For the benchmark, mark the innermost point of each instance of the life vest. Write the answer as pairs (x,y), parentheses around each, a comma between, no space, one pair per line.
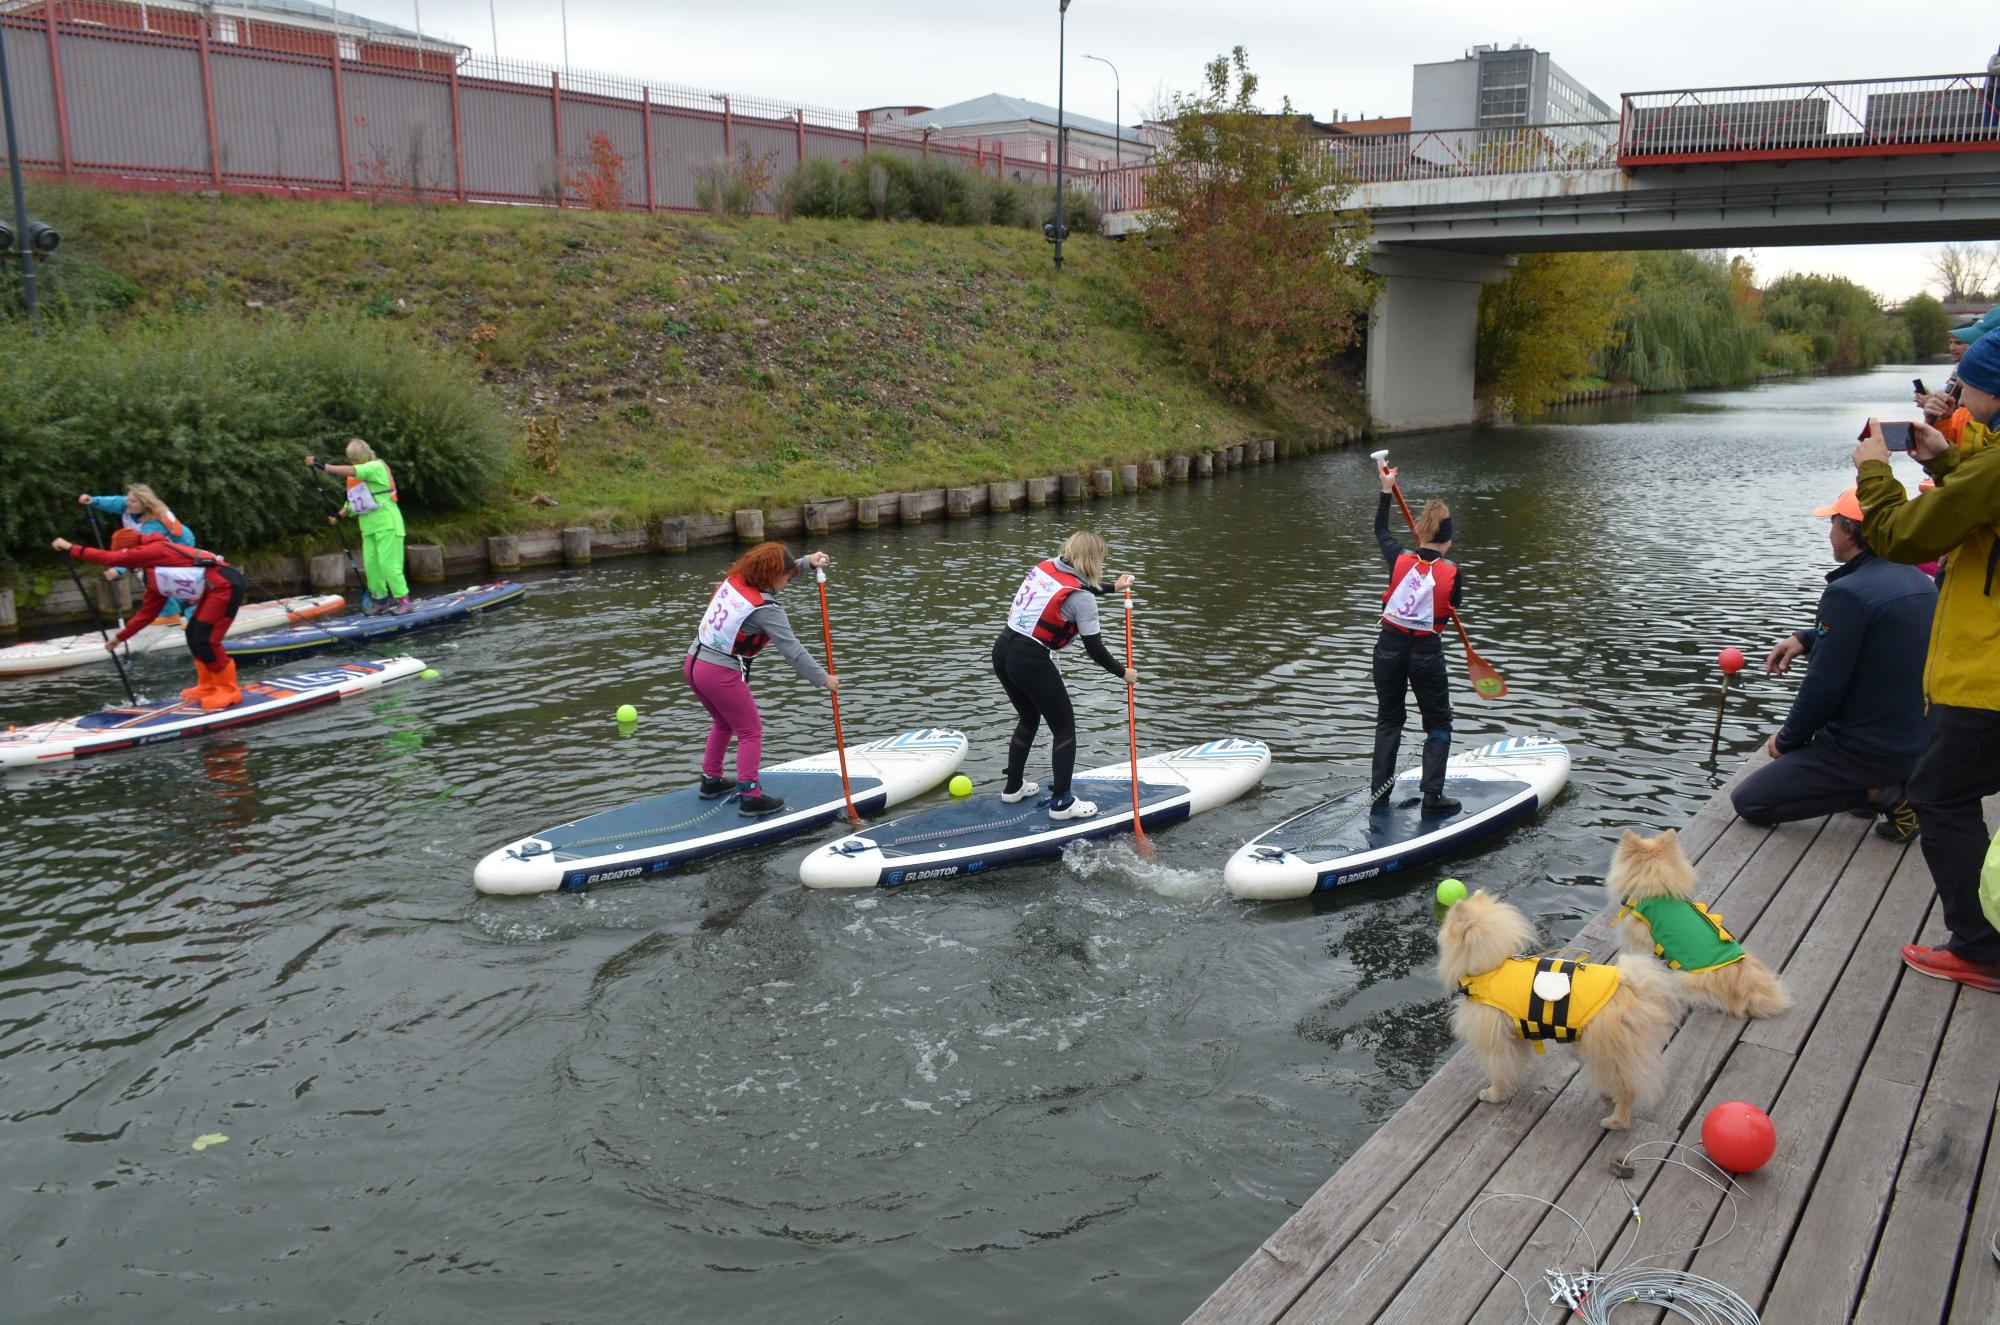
(186,582)
(1549,998)
(166,522)
(1685,934)
(722,625)
(1037,610)
(362,499)
(1416,589)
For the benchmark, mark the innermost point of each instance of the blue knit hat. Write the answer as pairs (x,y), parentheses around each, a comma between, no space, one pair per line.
(1981,365)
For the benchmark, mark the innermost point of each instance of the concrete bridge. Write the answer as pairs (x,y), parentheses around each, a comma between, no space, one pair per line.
(1888,161)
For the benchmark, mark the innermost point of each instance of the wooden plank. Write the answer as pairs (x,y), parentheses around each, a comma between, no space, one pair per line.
(1826,1263)
(1976,1296)
(1699,1051)
(1810,1103)
(1927,1235)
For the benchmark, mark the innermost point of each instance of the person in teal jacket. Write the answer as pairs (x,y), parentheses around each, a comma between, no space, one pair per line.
(372,501)
(144,513)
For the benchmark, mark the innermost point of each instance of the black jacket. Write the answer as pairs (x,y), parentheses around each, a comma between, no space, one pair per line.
(1865,686)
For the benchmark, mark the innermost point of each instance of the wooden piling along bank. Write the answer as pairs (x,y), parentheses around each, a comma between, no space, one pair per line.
(1881,1204)
(579,545)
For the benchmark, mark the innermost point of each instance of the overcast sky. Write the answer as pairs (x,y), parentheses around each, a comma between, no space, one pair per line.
(1323,54)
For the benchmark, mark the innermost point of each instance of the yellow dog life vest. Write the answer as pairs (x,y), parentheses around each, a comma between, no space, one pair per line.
(1549,998)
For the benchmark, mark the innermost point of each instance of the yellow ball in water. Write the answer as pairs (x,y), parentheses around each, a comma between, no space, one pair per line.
(1450,891)
(626,713)
(961,785)
(428,674)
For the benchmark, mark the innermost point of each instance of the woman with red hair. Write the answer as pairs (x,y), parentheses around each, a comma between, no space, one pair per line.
(743,619)
(211,588)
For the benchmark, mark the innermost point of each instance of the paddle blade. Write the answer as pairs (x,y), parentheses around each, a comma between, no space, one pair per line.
(1486,681)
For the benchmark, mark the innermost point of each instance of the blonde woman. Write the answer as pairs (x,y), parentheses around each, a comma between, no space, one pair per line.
(372,500)
(1424,590)
(143,513)
(1057,603)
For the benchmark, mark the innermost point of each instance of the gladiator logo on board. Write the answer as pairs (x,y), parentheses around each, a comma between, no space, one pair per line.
(918,876)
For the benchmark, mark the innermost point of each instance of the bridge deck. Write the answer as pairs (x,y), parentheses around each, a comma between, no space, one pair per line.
(1881,1204)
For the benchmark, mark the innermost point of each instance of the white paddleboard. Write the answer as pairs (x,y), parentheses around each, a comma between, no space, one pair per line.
(677,827)
(73,651)
(982,833)
(1344,840)
(128,727)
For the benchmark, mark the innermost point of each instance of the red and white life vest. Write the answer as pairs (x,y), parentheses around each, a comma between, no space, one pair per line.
(188,582)
(1037,610)
(722,625)
(1417,588)
(137,525)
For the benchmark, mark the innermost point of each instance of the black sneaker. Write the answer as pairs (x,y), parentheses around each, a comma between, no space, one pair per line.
(713,787)
(1899,822)
(757,803)
(1440,807)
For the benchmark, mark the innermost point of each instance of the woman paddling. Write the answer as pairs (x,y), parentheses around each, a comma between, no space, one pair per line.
(142,511)
(212,586)
(1057,602)
(1423,589)
(741,621)
(373,501)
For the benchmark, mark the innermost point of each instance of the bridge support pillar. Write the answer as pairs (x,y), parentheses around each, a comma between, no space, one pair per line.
(1422,333)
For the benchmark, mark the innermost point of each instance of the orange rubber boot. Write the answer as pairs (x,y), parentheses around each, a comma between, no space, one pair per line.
(204,681)
(224,692)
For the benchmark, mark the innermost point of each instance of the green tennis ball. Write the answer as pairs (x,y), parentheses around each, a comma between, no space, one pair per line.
(429,674)
(961,785)
(626,713)
(1450,891)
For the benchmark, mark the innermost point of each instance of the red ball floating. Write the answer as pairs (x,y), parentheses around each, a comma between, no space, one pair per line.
(1739,1137)
(1731,660)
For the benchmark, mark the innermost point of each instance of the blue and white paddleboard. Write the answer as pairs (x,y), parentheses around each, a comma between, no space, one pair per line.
(676,828)
(351,631)
(1345,841)
(129,726)
(982,833)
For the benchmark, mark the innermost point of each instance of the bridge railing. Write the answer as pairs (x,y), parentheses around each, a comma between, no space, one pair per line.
(1794,121)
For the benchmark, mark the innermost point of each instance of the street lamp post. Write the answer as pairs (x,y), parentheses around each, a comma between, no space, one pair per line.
(1057,231)
(1117,113)
(20,197)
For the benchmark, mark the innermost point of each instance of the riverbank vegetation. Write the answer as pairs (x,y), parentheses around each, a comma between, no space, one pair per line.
(1676,321)
(636,366)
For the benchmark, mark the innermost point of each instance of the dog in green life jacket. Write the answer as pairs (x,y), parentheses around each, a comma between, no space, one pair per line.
(1653,884)
(1506,1006)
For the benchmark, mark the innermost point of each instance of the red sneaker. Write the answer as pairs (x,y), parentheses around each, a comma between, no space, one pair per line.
(1942,964)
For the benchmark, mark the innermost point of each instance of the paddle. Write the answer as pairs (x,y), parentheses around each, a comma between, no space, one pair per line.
(69,564)
(333,507)
(839,741)
(97,537)
(1486,679)
(1139,842)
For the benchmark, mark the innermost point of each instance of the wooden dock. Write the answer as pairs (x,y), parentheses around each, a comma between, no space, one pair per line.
(1881,1204)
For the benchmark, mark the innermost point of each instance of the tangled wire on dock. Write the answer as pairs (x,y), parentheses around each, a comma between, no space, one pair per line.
(1591,1295)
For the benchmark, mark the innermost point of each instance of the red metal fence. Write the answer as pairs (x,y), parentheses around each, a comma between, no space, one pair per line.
(148,109)
(1793,121)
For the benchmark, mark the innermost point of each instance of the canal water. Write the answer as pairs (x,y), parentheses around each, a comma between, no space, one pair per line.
(1081,1090)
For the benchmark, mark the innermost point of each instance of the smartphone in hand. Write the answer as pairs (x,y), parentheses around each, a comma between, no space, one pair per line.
(1895,436)
(1921,389)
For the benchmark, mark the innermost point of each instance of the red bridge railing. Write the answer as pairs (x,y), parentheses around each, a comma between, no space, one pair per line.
(1795,121)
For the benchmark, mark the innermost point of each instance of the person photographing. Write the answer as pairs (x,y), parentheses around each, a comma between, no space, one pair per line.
(1961,765)
(1424,590)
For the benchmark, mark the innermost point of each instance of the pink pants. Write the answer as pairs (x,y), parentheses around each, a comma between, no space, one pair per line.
(726,696)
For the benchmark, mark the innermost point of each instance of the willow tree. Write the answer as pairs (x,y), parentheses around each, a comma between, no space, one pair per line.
(1250,262)
(1545,326)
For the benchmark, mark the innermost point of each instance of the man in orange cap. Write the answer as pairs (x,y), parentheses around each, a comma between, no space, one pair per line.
(1857,726)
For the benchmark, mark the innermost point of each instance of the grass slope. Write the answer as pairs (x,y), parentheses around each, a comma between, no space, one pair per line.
(667,365)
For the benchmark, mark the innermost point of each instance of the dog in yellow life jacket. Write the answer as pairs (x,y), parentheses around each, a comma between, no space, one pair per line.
(1653,883)
(1618,1016)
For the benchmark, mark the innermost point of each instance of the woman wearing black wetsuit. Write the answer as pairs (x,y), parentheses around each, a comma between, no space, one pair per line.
(1057,603)
(1424,589)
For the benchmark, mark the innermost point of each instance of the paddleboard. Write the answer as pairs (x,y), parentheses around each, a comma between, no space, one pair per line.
(982,833)
(1345,841)
(72,651)
(129,726)
(676,828)
(350,631)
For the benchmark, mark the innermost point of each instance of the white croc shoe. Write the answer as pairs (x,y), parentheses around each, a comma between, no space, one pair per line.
(1076,809)
(1027,789)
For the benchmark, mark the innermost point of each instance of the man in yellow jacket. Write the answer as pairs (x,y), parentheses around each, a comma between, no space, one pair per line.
(1960,516)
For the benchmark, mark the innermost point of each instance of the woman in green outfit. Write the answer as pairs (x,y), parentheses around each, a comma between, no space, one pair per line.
(372,500)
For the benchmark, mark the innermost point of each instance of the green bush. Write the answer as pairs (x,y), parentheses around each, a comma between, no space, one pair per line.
(893,186)
(218,413)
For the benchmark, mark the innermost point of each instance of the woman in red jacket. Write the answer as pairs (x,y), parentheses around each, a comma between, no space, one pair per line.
(210,586)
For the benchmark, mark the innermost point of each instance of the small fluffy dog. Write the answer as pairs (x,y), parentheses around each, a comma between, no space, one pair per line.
(1617,1015)
(1652,882)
